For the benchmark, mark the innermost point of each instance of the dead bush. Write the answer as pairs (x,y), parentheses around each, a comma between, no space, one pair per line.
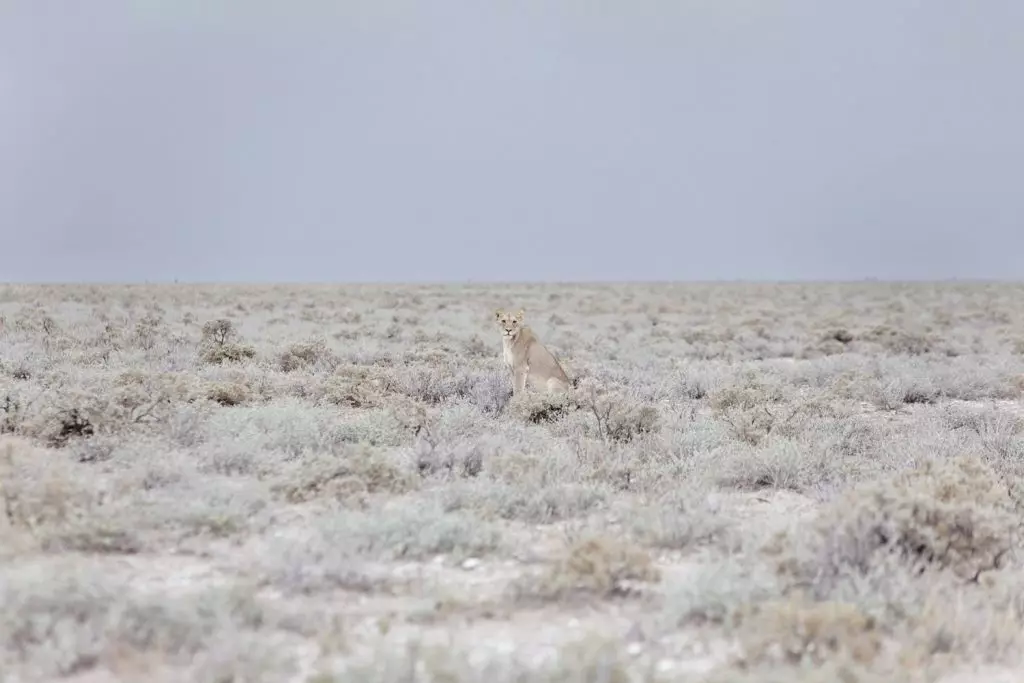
(360,470)
(536,505)
(694,388)
(19,371)
(219,344)
(899,342)
(679,522)
(490,392)
(751,412)
(140,394)
(75,619)
(97,448)
(999,433)
(11,414)
(88,537)
(221,331)
(67,418)
(539,408)
(754,412)
(131,401)
(618,416)
(434,459)
(433,385)
(475,347)
(72,423)
(227,393)
(715,592)
(38,493)
(806,634)
(628,422)
(956,515)
(893,394)
(827,347)
(600,567)
(227,353)
(311,354)
(412,417)
(356,386)
(147,332)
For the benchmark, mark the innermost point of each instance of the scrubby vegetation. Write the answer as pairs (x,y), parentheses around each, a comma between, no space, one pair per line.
(746,483)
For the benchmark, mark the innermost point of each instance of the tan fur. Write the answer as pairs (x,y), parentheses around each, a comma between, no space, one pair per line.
(530,362)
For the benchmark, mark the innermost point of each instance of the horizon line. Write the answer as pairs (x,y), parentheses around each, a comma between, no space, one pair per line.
(413,283)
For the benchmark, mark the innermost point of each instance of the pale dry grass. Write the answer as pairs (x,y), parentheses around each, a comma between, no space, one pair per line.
(327,483)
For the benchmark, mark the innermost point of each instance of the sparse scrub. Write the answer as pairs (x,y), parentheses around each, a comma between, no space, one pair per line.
(829,671)
(37,495)
(998,431)
(312,564)
(409,531)
(227,393)
(618,417)
(955,516)
(597,567)
(805,634)
(126,402)
(490,392)
(357,386)
(897,393)
(782,464)
(586,659)
(755,412)
(717,593)
(679,522)
(187,508)
(146,331)
(693,385)
(11,412)
(433,385)
(745,483)
(358,471)
(899,341)
(476,347)
(544,506)
(285,426)
(71,618)
(435,459)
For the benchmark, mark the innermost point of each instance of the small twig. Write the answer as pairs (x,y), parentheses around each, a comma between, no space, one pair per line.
(8,460)
(148,412)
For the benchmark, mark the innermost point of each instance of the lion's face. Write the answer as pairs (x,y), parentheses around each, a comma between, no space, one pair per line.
(509,323)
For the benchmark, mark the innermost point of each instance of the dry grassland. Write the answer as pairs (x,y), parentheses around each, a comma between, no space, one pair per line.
(792,483)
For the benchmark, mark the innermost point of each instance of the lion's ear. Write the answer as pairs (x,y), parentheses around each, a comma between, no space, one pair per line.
(497,313)
(520,314)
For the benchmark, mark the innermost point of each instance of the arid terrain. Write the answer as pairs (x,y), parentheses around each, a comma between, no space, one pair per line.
(325,484)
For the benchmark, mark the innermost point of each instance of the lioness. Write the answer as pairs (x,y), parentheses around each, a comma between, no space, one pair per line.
(527,357)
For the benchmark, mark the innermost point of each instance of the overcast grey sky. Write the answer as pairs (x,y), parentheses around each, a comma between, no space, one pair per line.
(407,140)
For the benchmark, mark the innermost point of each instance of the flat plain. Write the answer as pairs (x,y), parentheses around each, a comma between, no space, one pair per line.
(748,482)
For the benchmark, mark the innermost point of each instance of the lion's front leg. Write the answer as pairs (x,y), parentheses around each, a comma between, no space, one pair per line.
(519,380)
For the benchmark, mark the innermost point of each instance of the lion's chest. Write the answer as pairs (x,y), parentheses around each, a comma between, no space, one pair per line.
(506,349)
